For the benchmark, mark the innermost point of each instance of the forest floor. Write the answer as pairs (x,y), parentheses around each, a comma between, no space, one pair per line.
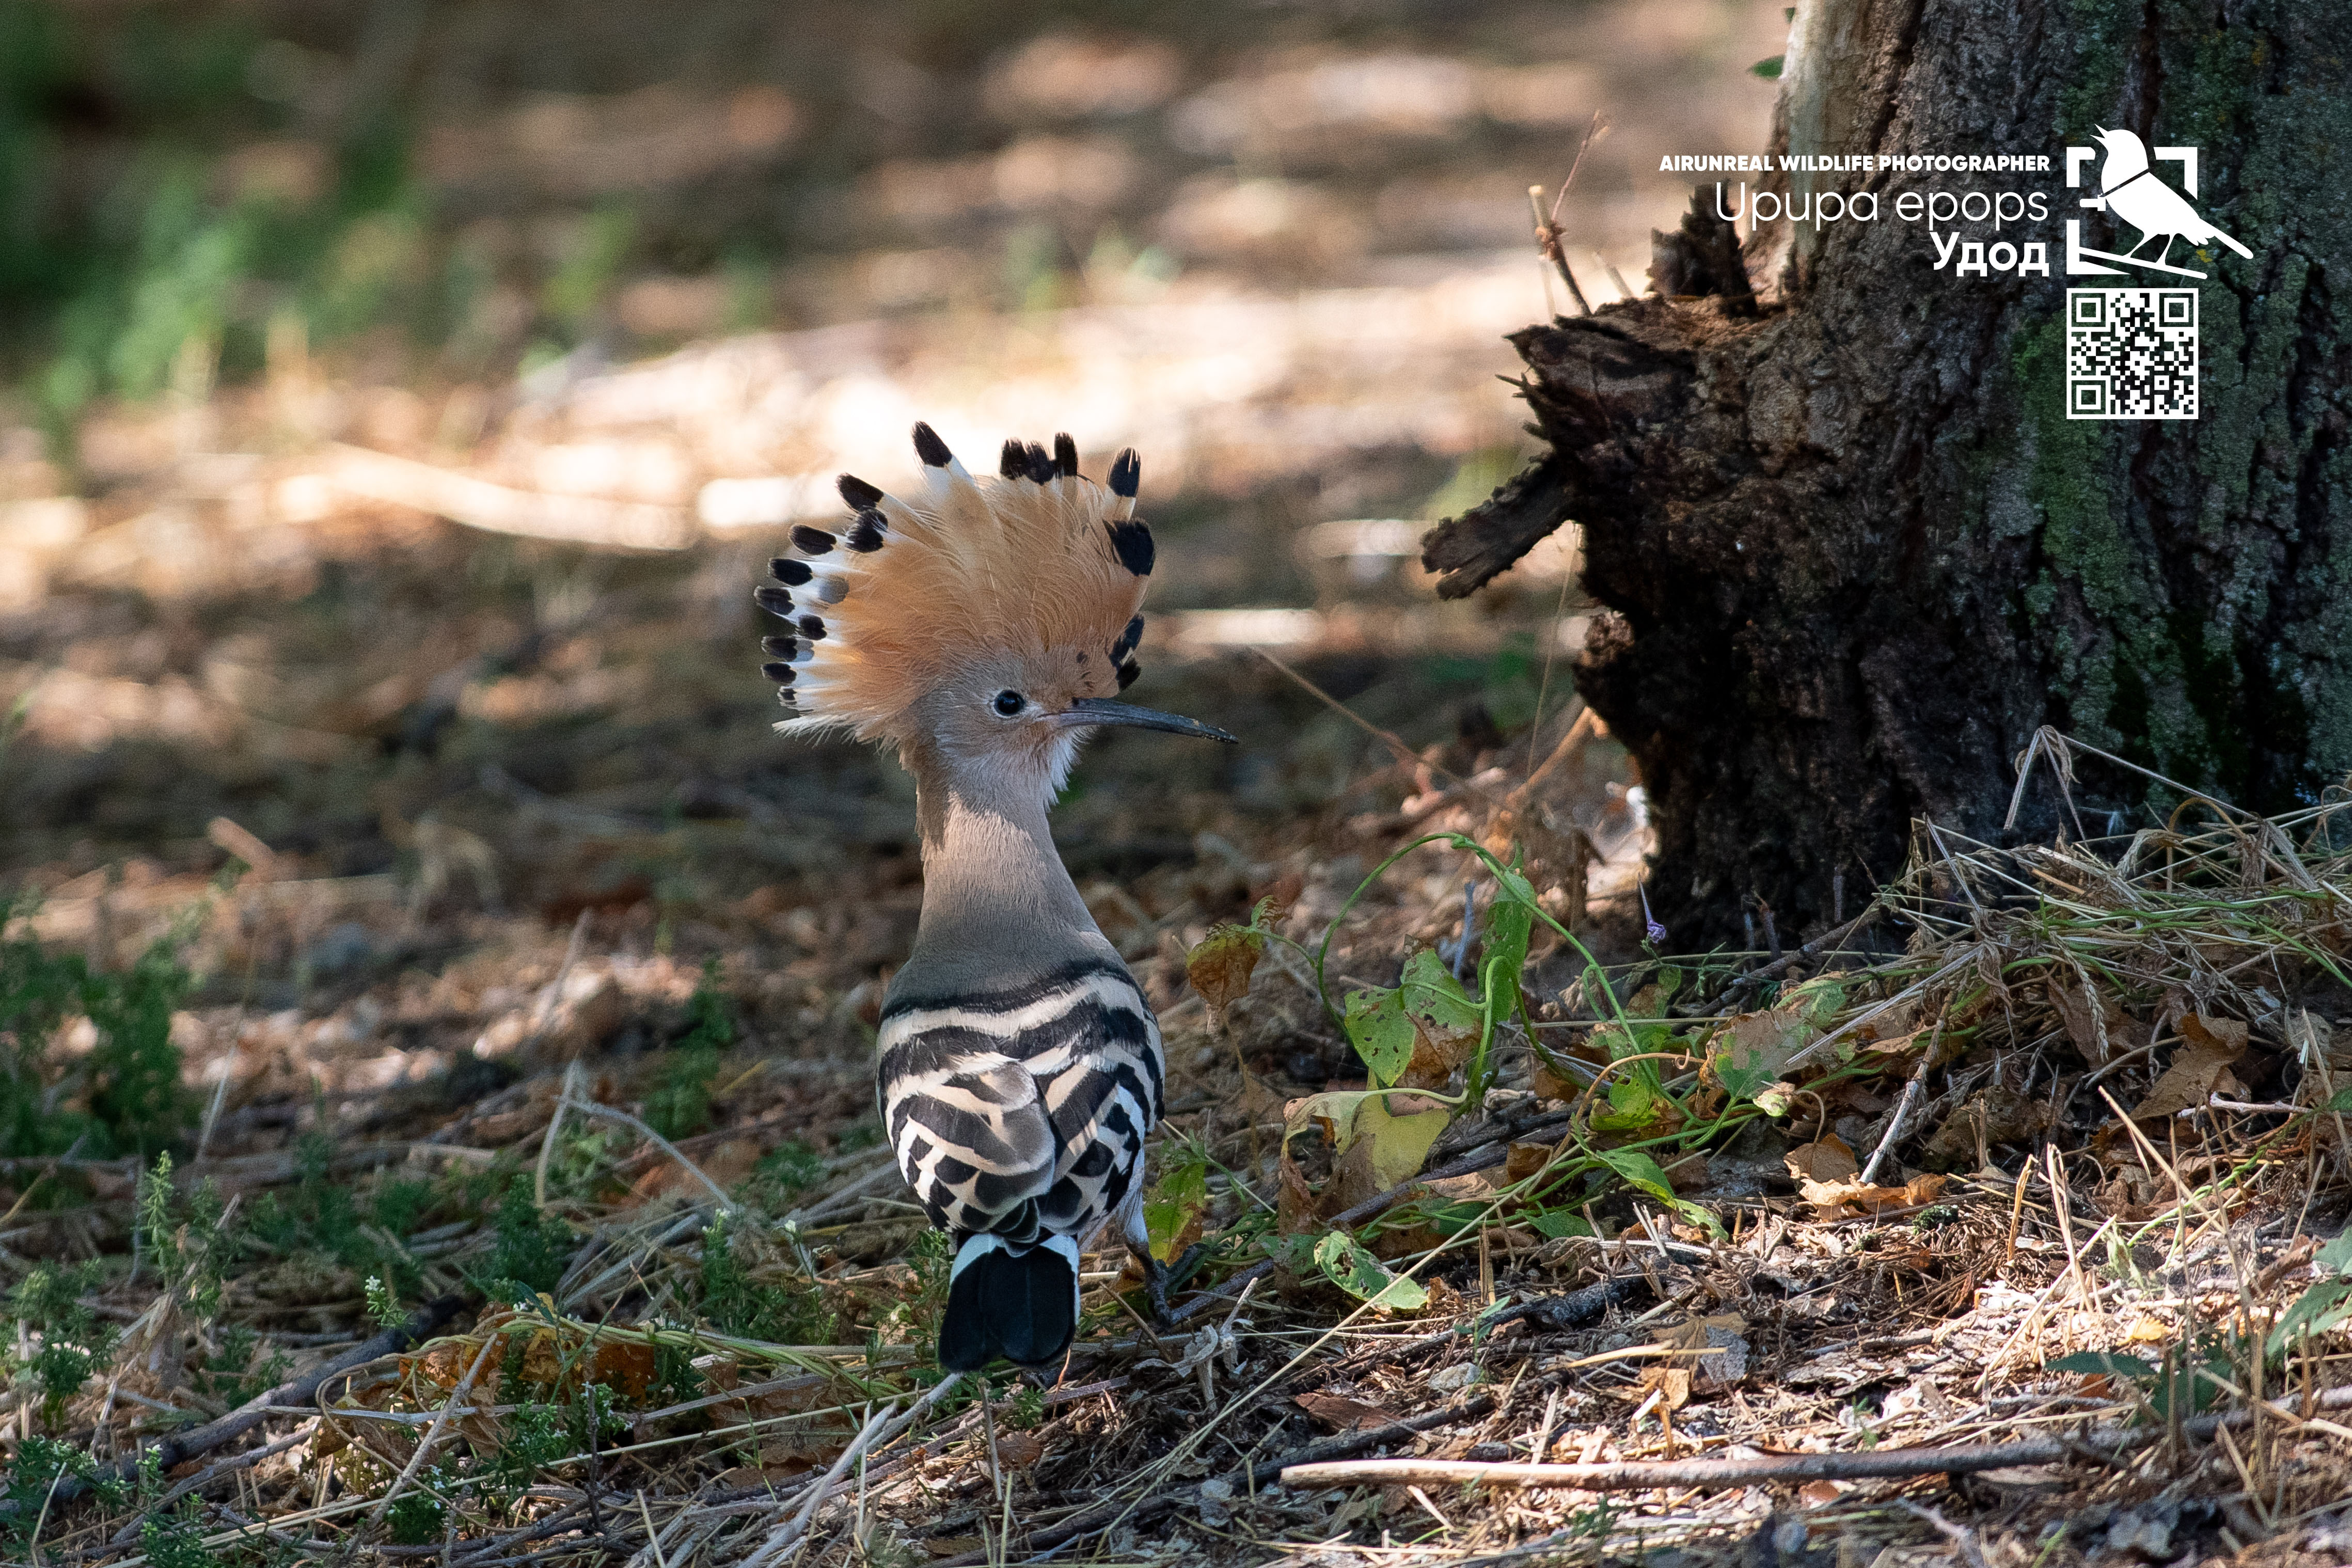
(503,990)
(467,866)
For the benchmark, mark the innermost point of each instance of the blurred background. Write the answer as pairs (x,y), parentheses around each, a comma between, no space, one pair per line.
(403,397)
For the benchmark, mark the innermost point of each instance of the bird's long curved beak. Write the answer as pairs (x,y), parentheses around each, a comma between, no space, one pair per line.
(1086,711)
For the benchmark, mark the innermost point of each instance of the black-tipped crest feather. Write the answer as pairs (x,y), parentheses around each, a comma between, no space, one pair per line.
(1126,474)
(1133,542)
(930,448)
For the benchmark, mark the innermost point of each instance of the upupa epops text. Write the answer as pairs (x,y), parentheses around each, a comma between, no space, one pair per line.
(980,630)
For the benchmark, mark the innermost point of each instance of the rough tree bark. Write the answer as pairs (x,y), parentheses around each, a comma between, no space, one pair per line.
(1856,551)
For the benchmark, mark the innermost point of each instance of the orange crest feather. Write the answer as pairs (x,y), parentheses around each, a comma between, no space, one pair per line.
(1032,563)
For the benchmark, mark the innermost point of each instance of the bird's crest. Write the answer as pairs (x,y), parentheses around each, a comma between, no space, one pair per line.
(898,602)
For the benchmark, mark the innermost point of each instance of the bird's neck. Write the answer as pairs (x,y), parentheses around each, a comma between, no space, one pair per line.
(996,898)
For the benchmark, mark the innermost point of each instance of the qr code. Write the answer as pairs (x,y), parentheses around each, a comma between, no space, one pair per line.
(2131,353)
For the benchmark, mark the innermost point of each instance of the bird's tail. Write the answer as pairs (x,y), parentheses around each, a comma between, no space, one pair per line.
(1021,1304)
(2234,245)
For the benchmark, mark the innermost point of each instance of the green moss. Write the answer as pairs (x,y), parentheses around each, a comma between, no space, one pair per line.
(2125,688)
(2104,32)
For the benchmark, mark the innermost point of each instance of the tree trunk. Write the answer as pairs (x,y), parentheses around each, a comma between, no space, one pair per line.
(1856,551)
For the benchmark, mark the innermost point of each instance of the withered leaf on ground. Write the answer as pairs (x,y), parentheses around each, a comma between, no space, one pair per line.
(1854,1200)
(1827,1159)
(1342,1414)
(1713,1349)
(2095,1022)
(1994,1114)
(2198,1069)
(1524,1161)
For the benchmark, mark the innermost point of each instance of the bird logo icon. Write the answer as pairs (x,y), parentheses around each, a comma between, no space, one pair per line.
(2130,190)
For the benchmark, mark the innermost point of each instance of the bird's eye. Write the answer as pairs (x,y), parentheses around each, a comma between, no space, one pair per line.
(1008,703)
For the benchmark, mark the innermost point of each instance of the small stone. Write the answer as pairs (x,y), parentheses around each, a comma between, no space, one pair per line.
(1450,1379)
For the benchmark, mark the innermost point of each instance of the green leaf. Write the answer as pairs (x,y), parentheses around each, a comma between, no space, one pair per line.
(1557,1224)
(1817,1001)
(1769,69)
(1434,996)
(1400,1144)
(1509,926)
(1452,1219)
(1638,1170)
(2327,1305)
(2335,1258)
(1365,1276)
(1382,1034)
(2109,1362)
(1753,1049)
(1183,1193)
(1633,1105)
(1669,981)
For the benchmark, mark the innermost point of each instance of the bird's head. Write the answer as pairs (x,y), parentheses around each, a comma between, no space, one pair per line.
(2123,145)
(990,624)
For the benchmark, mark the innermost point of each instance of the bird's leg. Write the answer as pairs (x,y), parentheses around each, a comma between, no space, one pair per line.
(1155,1279)
(2166,254)
(1138,1236)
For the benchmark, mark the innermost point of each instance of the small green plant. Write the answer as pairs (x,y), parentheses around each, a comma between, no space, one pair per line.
(679,1106)
(72,1342)
(40,1463)
(784,1173)
(383,1304)
(236,1371)
(1594,1523)
(324,1217)
(418,1515)
(176,1539)
(791,1312)
(932,1257)
(537,1436)
(181,1237)
(531,1248)
(581,1165)
(1026,1409)
(123,1096)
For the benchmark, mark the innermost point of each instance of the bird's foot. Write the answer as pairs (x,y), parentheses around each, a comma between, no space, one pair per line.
(1155,1280)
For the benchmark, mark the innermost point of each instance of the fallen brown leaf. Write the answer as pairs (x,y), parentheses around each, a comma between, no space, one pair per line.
(1019,1449)
(2198,1069)
(1856,1200)
(1342,1414)
(1825,1160)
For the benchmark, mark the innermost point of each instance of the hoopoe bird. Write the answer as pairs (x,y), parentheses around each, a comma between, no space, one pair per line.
(981,632)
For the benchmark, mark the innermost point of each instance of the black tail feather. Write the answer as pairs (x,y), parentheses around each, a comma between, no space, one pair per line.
(1023,1308)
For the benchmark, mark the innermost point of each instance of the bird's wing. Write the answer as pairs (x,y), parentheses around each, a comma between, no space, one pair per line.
(993,1100)
(970,1133)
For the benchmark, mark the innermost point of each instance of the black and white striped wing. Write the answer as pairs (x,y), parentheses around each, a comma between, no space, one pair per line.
(1023,1111)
